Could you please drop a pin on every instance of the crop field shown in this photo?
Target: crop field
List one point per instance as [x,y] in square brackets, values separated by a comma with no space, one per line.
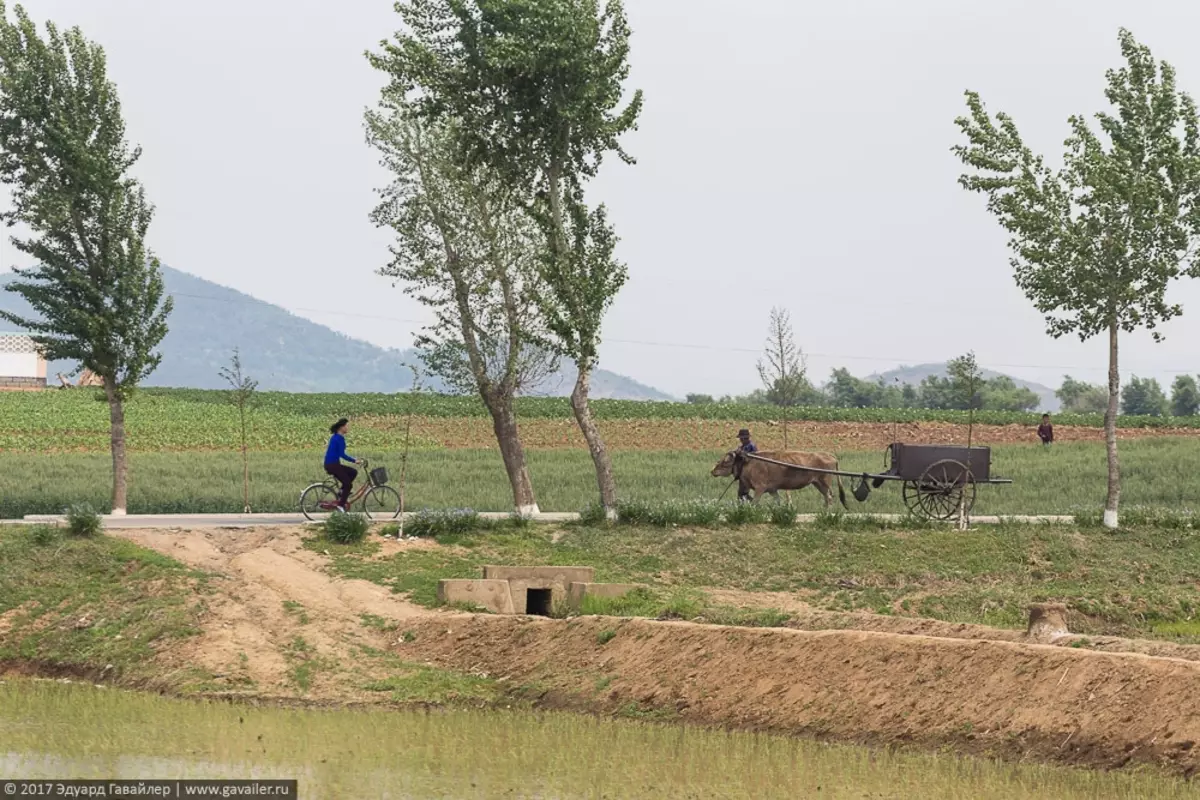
[1158,473]
[54,452]
[180,420]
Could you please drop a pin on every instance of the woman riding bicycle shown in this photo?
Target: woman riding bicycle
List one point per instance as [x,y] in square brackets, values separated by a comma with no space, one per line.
[335,453]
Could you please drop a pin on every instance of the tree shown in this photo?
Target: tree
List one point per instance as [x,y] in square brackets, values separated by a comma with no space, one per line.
[782,368]
[241,394]
[96,289]
[1143,398]
[469,253]
[1002,394]
[1082,398]
[537,87]
[700,399]
[1097,243]
[1185,397]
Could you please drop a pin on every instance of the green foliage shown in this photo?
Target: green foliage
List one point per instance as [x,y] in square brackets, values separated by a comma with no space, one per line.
[177,420]
[1097,243]
[1185,397]
[1143,397]
[83,521]
[431,523]
[346,528]
[43,535]
[96,293]
[1078,397]
[783,516]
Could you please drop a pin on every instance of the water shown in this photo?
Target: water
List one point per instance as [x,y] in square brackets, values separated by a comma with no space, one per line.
[52,730]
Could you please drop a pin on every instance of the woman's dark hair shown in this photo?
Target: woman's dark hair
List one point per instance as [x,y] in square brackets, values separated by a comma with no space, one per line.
[335,427]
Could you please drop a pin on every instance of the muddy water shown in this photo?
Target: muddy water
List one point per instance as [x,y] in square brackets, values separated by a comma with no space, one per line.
[52,730]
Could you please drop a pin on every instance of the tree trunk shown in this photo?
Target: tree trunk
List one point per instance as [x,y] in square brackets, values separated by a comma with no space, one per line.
[116,416]
[245,468]
[583,415]
[504,423]
[1110,431]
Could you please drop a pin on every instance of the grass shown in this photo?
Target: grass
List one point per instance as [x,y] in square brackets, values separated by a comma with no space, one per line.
[93,604]
[471,753]
[1156,473]
[1138,582]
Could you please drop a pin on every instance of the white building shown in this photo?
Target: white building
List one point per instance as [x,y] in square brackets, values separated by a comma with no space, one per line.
[21,363]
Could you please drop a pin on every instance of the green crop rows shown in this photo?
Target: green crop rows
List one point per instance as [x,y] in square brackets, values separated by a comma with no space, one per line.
[169,419]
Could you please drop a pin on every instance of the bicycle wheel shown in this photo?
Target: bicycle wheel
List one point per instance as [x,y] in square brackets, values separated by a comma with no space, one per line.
[382,502]
[313,497]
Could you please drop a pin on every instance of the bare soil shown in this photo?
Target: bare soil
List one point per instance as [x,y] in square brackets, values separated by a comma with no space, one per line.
[854,677]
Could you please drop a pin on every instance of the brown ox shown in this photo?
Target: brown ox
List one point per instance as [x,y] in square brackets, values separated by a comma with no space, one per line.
[762,477]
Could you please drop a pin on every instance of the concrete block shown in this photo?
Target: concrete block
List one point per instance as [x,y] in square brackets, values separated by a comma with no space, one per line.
[577,591]
[493,595]
[563,575]
[520,588]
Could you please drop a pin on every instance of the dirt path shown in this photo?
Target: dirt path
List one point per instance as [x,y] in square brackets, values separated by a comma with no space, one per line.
[279,627]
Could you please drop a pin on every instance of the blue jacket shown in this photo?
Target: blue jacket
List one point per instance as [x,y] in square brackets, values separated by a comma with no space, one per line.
[337,450]
[748,447]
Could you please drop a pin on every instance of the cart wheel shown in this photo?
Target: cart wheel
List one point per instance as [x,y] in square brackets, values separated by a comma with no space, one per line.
[940,490]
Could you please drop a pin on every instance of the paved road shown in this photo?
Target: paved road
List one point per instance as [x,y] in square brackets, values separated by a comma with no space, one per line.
[191,521]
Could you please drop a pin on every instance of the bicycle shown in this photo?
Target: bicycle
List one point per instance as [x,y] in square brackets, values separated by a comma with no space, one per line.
[379,501]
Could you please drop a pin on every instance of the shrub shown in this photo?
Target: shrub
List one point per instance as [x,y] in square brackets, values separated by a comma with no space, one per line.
[346,528]
[43,535]
[391,529]
[82,521]
[747,514]
[439,522]
[783,515]
[593,515]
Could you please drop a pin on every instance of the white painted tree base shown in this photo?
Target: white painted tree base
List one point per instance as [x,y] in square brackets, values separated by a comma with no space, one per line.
[1110,519]
[528,511]
[117,512]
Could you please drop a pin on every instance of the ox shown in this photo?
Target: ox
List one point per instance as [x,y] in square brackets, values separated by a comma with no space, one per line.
[762,477]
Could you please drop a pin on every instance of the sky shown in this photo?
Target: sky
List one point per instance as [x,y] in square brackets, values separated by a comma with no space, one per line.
[791,154]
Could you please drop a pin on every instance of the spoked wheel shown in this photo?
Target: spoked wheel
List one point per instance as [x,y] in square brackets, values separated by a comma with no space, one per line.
[382,502]
[317,500]
[940,491]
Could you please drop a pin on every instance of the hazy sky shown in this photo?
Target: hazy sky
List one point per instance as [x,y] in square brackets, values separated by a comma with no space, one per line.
[791,153]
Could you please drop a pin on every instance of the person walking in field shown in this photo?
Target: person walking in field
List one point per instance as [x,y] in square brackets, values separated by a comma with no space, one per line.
[335,453]
[1046,431]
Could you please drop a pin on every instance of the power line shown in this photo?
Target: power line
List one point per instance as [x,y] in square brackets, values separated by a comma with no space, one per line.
[675,345]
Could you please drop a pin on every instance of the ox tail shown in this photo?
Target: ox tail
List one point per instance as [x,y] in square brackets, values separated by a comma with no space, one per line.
[842,493]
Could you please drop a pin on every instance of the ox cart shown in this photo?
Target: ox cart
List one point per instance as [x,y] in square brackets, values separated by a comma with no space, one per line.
[935,479]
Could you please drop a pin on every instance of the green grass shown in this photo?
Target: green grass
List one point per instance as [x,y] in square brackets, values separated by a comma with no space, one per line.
[87,603]
[461,753]
[1139,582]
[1157,473]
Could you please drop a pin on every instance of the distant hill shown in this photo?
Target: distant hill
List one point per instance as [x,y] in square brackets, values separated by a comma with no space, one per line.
[914,375]
[288,353]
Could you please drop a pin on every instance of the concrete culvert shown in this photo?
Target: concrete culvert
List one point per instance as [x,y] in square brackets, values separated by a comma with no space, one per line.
[1047,621]
[537,602]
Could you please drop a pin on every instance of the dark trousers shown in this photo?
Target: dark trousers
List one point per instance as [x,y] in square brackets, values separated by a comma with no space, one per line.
[345,476]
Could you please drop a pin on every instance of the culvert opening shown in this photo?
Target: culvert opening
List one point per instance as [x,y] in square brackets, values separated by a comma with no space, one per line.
[537,601]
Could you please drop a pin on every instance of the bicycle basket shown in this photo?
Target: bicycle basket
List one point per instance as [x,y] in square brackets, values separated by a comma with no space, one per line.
[379,476]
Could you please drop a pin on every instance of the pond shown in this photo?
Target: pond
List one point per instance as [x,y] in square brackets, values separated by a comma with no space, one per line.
[57,730]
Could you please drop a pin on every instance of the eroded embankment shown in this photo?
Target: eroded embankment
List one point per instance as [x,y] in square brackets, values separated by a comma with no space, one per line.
[1011,699]
[278,626]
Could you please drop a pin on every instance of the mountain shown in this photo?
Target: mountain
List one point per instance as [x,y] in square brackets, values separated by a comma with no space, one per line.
[914,375]
[285,352]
